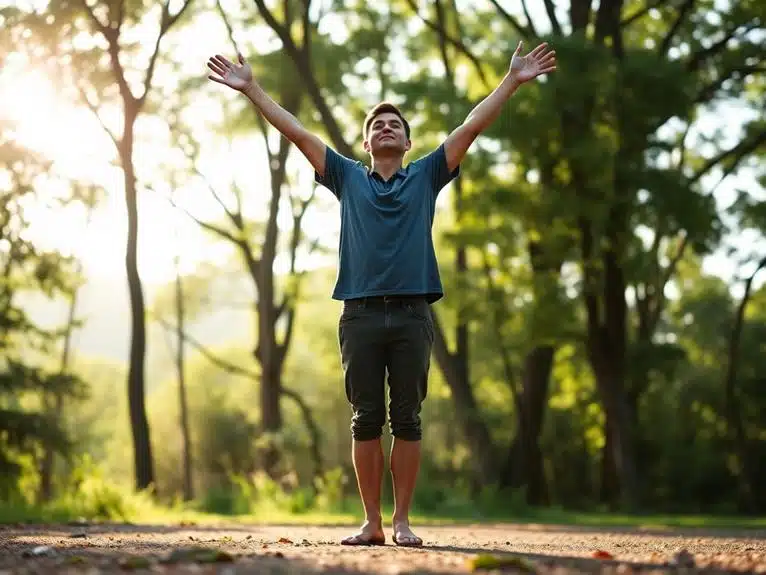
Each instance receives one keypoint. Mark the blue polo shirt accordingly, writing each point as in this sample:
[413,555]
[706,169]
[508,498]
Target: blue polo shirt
[386,246]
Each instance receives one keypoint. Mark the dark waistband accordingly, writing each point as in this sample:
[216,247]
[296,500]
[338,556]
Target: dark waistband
[388,299]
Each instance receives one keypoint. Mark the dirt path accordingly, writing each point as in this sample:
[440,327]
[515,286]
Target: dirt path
[281,550]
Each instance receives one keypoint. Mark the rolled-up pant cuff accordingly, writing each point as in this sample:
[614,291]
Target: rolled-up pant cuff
[366,433]
[407,434]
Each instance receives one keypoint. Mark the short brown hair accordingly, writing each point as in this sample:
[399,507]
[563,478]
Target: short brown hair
[385,108]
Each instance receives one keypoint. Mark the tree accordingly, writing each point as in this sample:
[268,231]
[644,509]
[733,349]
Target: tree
[54,402]
[259,246]
[630,71]
[24,345]
[101,73]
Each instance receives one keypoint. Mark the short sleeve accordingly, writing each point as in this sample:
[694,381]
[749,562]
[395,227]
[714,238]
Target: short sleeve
[434,165]
[336,168]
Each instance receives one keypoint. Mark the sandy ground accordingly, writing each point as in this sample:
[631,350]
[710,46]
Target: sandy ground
[303,550]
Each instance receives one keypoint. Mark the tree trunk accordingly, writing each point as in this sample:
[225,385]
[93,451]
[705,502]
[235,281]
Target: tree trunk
[604,294]
[269,352]
[142,450]
[609,484]
[271,391]
[45,491]
[188,486]
[453,367]
[524,463]
[618,433]
[735,427]
[55,404]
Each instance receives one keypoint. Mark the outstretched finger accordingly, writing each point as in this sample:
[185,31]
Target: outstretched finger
[215,67]
[548,70]
[549,57]
[215,79]
[538,50]
[223,61]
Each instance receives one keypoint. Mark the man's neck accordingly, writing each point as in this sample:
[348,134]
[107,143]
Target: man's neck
[386,167]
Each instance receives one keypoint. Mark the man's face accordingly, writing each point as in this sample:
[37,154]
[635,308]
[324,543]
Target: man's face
[386,136]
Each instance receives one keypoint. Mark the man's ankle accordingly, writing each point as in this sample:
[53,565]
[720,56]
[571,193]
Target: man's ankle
[400,519]
[374,519]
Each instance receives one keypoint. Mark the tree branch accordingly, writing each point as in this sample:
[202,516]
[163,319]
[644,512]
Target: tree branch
[311,427]
[94,109]
[208,226]
[235,217]
[111,35]
[306,26]
[525,32]
[682,12]
[279,29]
[642,12]
[228,26]
[100,26]
[456,43]
[697,59]
[300,58]
[709,90]
[234,369]
[551,11]
[735,155]
[664,278]
[206,353]
[579,14]
[166,23]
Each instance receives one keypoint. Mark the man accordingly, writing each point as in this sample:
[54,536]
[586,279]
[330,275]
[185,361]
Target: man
[388,275]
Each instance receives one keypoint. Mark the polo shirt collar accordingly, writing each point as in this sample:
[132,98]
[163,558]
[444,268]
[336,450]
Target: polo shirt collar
[400,173]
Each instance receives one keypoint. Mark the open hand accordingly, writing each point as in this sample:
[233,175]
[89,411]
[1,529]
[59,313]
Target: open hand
[538,61]
[237,76]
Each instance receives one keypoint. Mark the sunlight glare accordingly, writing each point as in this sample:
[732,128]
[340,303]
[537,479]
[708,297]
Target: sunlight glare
[80,150]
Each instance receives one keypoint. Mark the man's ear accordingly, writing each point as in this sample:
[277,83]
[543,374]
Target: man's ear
[366,145]
[408,145]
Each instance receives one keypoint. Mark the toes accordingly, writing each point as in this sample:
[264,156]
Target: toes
[409,540]
[361,539]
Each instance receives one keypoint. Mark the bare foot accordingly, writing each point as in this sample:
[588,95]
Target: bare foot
[404,536]
[371,533]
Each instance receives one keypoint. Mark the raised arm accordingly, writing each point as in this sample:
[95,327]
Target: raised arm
[240,77]
[522,69]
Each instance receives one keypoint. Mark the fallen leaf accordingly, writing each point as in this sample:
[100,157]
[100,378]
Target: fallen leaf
[490,562]
[602,555]
[284,540]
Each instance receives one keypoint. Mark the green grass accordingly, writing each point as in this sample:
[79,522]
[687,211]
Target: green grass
[144,512]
